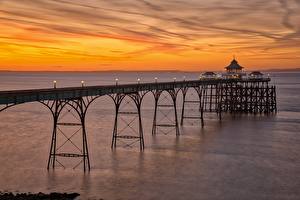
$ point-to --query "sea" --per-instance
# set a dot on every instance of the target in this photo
(242, 157)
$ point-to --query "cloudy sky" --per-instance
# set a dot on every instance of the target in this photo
(148, 34)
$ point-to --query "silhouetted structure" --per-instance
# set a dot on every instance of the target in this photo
(256, 74)
(234, 70)
(219, 95)
(209, 75)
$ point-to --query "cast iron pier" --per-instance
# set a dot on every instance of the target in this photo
(217, 95)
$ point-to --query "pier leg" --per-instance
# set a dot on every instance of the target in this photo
(202, 99)
(52, 146)
(123, 105)
(156, 95)
(61, 147)
(142, 143)
(184, 91)
(176, 117)
(165, 122)
(191, 101)
(220, 101)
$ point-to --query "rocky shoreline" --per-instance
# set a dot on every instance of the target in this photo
(38, 196)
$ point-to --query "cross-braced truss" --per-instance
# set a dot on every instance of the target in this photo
(69, 138)
(128, 128)
(192, 105)
(165, 108)
(247, 97)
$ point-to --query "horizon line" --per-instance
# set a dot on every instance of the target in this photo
(149, 71)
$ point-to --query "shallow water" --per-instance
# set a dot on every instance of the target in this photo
(242, 157)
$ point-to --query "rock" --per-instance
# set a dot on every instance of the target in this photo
(38, 196)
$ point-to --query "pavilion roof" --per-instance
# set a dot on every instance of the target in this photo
(234, 65)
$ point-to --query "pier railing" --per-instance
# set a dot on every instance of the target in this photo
(31, 95)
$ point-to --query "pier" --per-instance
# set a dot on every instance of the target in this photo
(219, 95)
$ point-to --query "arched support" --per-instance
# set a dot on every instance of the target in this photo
(186, 101)
(121, 110)
(6, 106)
(157, 96)
(69, 137)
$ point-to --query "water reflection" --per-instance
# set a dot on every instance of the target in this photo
(241, 157)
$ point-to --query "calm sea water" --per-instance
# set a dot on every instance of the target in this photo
(246, 157)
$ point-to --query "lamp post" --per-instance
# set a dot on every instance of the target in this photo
(54, 84)
(138, 80)
(174, 79)
(155, 79)
(82, 83)
(117, 81)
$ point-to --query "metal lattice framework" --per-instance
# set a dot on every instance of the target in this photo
(60, 109)
(192, 97)
(162, 101)
(120, 111)
(249, 96)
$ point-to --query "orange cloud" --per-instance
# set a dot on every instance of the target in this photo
(147, 35)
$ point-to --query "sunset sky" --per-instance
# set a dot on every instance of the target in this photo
(190, 35)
